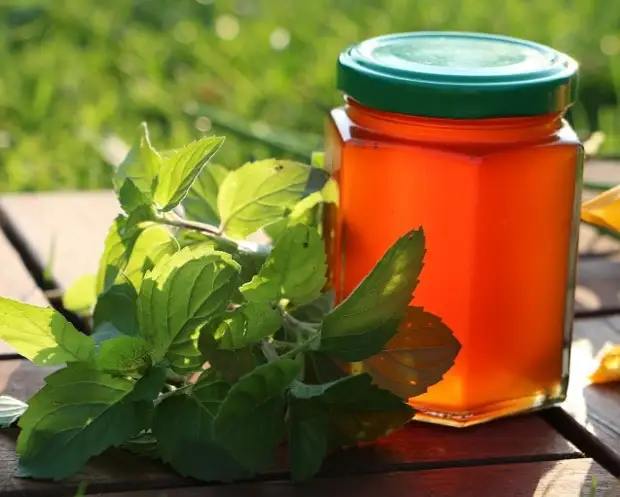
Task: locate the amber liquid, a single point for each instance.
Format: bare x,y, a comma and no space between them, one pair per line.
500,218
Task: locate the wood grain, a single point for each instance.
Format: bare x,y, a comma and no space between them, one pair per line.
596,408
543,479
418,446
70,225
16,283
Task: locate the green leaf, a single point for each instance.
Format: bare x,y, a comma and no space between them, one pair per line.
125,355
364,322
78,414
201,201
118,305
10,410
317,159
308,438
184,355
183,291
230,364
179,171
417,357
246,325
321,368
144,445
141,165
130,253
131,197
315,311
295,269
117,249
183,428
152,245
81,295
42,335
103,332
250,421
259,193
357,410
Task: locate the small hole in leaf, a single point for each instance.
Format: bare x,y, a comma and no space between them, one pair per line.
279,167
306,245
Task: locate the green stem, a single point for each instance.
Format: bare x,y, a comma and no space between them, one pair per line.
269,350
301,347
173,392
191,225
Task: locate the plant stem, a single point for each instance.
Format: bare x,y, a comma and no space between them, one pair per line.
301,347
269,351
173,392
191,225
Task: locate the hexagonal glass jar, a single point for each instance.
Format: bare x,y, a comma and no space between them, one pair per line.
464,135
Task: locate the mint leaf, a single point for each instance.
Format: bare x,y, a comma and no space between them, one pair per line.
184,355
131,197
246,325
131,252
141,165
308,438
81,295
417,357
295,269
230,364
201,201
363,323
259,193
10,410
317,159
103,332
315,311
321,368
357,410
183,291
144,445
151,246
117,249
124,355
42,335
78,414
250,420
118,306
180,169
183,428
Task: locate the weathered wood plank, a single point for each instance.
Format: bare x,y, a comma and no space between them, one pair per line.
415,447
71,226
22,379
596,408
543,479
598,286
418,446
16,283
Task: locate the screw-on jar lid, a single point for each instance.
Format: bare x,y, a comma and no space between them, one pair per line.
457,75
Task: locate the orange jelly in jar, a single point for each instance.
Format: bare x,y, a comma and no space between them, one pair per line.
463,135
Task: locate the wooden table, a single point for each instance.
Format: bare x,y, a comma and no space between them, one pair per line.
48,240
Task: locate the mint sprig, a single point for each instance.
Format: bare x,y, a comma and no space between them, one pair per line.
180,297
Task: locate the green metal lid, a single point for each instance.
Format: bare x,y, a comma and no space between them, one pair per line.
457,75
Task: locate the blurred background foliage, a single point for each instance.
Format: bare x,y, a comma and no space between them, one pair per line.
78,76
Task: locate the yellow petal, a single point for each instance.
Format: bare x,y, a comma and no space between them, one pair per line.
607,365
604,209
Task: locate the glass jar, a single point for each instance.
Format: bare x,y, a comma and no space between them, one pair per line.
463,134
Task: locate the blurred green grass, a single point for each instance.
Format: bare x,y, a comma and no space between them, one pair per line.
78,76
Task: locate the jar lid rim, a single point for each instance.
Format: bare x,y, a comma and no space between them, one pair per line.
458,75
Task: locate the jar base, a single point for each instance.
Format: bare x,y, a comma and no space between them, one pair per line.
464,419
